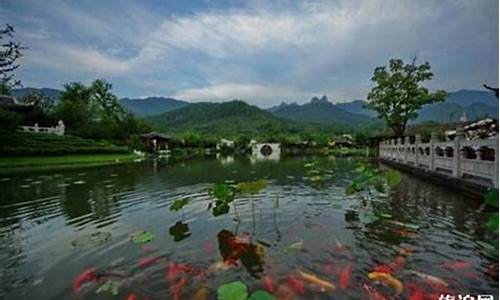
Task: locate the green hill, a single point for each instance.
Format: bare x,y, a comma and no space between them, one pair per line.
226,119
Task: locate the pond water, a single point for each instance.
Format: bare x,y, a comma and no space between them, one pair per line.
109,233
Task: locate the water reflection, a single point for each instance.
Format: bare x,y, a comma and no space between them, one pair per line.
62,224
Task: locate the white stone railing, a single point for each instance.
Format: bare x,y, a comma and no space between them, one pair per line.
59,129
460,158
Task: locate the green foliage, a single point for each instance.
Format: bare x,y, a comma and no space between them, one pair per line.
251,187
179,204
398,94
393,178
110,286
142,237
10,52
94,111
235,290
9,120
222,192
493,223
491,198
370,178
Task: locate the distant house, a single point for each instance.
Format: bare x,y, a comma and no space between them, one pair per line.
155,141
10,103
344,141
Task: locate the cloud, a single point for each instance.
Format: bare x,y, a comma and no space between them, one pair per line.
262,50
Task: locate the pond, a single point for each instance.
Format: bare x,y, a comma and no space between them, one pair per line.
115,233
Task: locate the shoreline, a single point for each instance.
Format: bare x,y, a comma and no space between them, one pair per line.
19,164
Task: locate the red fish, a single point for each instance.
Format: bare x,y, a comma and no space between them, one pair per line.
132,296
296,284
268,283
416,292
146,262
87,275
457,265
383,269
177,288
345,276
373,294
174,269
397,263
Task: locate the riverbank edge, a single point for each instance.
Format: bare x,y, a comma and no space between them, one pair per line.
18,164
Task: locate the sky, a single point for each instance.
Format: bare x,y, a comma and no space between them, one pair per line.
263,52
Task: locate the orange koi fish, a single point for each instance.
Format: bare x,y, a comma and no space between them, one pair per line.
313,279
387,279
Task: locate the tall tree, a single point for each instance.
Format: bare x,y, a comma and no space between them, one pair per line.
399,95
10,52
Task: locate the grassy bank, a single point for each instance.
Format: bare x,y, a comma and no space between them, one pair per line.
31,144
27,163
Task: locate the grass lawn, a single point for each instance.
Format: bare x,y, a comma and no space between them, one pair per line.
8,164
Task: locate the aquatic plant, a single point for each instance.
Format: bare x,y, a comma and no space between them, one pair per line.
370,179
179,231
235,290
141,237
179,204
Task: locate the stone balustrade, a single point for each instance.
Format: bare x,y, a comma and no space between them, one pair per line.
475,160
58,130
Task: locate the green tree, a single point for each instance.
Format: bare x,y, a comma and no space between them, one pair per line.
75,107
106,101
10,51
399,95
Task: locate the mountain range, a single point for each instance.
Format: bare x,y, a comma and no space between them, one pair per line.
171,113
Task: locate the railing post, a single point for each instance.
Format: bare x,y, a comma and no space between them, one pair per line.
418,140
406,145
460,135
432,162
495,178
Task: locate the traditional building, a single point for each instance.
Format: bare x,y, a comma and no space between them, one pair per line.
155,141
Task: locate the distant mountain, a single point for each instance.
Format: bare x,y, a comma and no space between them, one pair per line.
152,105
356,107
475,104
48,92
228,119
322,111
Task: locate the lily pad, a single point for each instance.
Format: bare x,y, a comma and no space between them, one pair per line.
179,204
252,187
393,178
261,295
222,192
235,290
179,231
141,237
